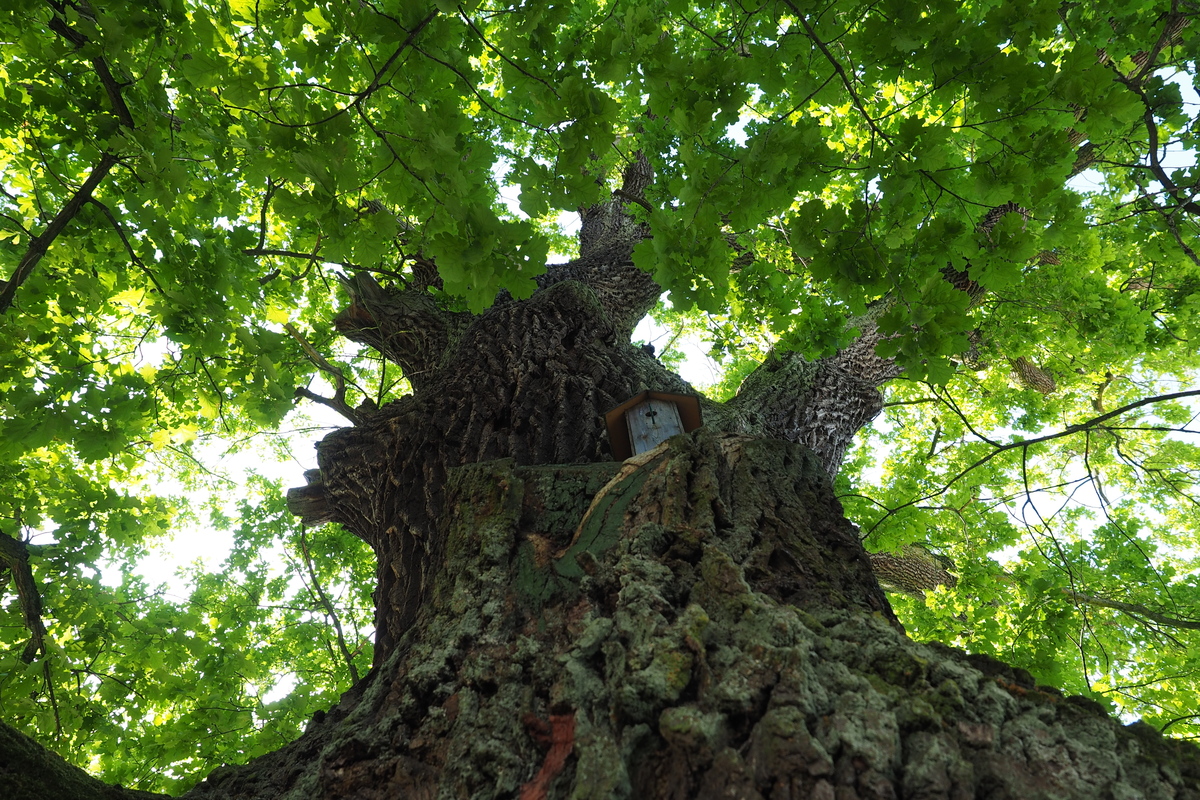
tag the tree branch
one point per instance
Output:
(133, 256)
(407, 326)
(111, 87)
(15, 555)
(339, 406)
(1132, 609)
(328, 606)
(820, 404)
(1156, 167)
(268, 251)
(359, 96)
(1090, 424)
(41, 244)
(338, 402)
(854, 98)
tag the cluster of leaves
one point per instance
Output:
(183, 181)
(1074, 538)
(149, 688)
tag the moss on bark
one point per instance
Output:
(712, 629)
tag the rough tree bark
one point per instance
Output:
(697, 622)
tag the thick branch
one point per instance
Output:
(99, 63)
(15, 555)
(913, 570)
(29, 771)
(40, 244)
(407, 327)
(820, 404)
(607, 235)
(311, 502)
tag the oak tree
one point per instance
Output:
(943, 253)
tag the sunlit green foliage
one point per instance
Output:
(1076, 556)
(245, 153)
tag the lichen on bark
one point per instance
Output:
(711, 629)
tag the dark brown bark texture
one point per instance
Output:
(29, 771)
(697, 623)
(530, 381)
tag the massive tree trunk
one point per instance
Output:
(699, 621)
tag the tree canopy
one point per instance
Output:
(187, 186)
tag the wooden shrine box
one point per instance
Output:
(643, 422)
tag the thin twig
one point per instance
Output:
(257, 251)
(854, 98)
(1132, 609)
(329, 609)
(338, 401)
(133, 256)
(1025, 443)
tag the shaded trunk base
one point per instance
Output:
(699, 624)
